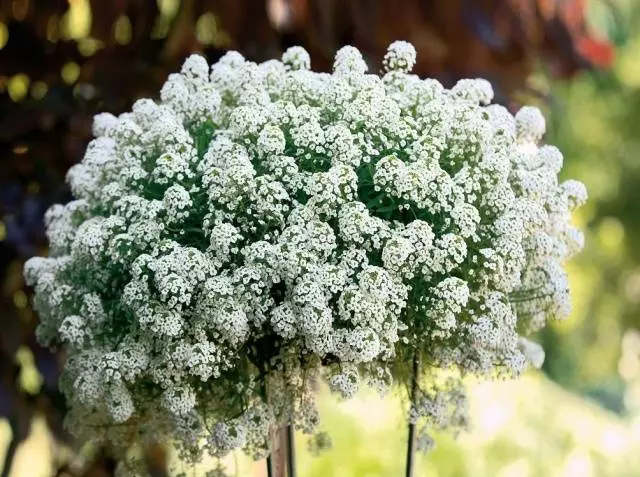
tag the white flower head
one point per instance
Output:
(296, 58)
(530, 124)
(401, 56)
(260, 227)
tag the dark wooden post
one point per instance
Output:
(281, 459)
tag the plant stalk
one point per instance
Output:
(291, 455)
(411, 438)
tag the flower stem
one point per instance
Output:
(270, 469)
(291, 456)
(411, 438)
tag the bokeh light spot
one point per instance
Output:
(628, 67)
(4, 35)
(29, 379)
(206, 28)
(3, 231)
(20, 299)
(122, 30)
(70, 72)
(20, 148)
(610, 235)
(53, 28)
(88, 46)
(168, 8)
(209, 32)
(39, 90)
(76, 23)
(18, 87)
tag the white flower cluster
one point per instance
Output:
(263, 225)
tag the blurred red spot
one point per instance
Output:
(599, 53)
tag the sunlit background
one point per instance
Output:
(63, 60)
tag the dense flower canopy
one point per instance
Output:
(263, 226)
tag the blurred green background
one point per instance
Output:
(579, 416)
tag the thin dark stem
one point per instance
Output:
(270, 472)
(291, 456)
(270, 460)
(411, 438)
(8, 459)
(16, 438)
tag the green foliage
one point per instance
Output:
(529, 427)
(595, 122)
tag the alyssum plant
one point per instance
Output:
(264, 226)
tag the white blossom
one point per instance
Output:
(260, 227)
(401, 56)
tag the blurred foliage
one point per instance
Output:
(526, 428)
(595, 122)
(61, 61)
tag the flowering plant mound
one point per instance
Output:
(264, 226)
